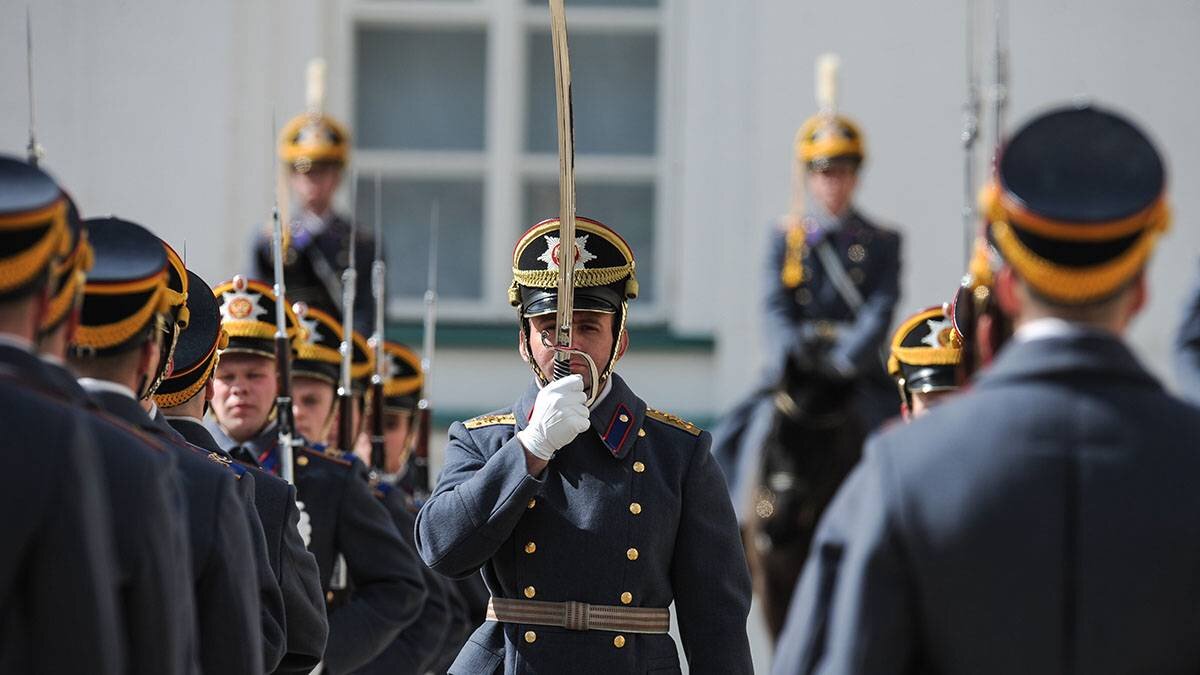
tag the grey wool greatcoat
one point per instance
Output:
(1045, 522)
(634, 509)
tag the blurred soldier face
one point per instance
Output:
(833, 187)
(312, 407)
(243, 394)
(592, 333)
(396, 426)
(314, 188)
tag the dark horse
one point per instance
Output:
(815, 438)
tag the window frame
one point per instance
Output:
(503, 165)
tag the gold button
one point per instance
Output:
(530, 591)
(641, 433)
(619, 641)
(530, 547)
(530, 636)
(624, 417)
(302, 460)
(638, 467)
(632, 554)
(635, 508)
(329, 596)
(532, 503)
(626, 598)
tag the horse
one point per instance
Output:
(815, 438)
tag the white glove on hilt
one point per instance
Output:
(560, 413)
(305, 524)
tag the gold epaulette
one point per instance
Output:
(677, 422)
(490, 420)
(336, 456)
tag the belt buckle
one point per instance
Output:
(576, 615)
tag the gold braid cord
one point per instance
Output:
(1068, 284)
(112, 334)
(599, 276)
(18, 270)
(792, 271)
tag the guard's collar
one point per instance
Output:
(16, 341)
(616, 416)
(94, 386)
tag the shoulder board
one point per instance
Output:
(335, 456)
(490, 420)
(672, 420)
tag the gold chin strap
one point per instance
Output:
(598, 380)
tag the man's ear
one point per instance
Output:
(523, 345)
(1008, 292)
(208, 390)
(623, 345)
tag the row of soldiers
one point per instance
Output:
(169, 543)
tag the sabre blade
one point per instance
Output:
(566, 190)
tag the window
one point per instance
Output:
(453, 104)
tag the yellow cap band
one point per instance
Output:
(1071, 284)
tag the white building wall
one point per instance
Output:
(160, 112)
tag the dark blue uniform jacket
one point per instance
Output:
(295, 569)
(1045, 522)
(591, 544)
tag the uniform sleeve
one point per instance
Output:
(304, 606)
(270, 595)
(419, 642)
(1187, 349)
(783, 326)
(857, 349)
(388, 590)
(159, 605)
(72, 573)
(475, 505)
(852, 609)
(709, 578)
(227, 594)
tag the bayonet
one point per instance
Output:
(349, 288)
(970, 134)
(283, 346)
(423, 423)
(378, 288)
(33, 150)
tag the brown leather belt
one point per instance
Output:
(580, 615)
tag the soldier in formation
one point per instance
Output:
(588, 511)
(925, 562)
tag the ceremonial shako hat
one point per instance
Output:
(604, 269)
(196, 351)
(318, 352)
(314, 137)
(828, 138)
(125, 296)
(604, 279)
(248, 315)
(69, 273)
(402, 378)
(925, 352)
(33, 226)
(1077, 204)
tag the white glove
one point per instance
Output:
(560, 414)
(305, 524)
